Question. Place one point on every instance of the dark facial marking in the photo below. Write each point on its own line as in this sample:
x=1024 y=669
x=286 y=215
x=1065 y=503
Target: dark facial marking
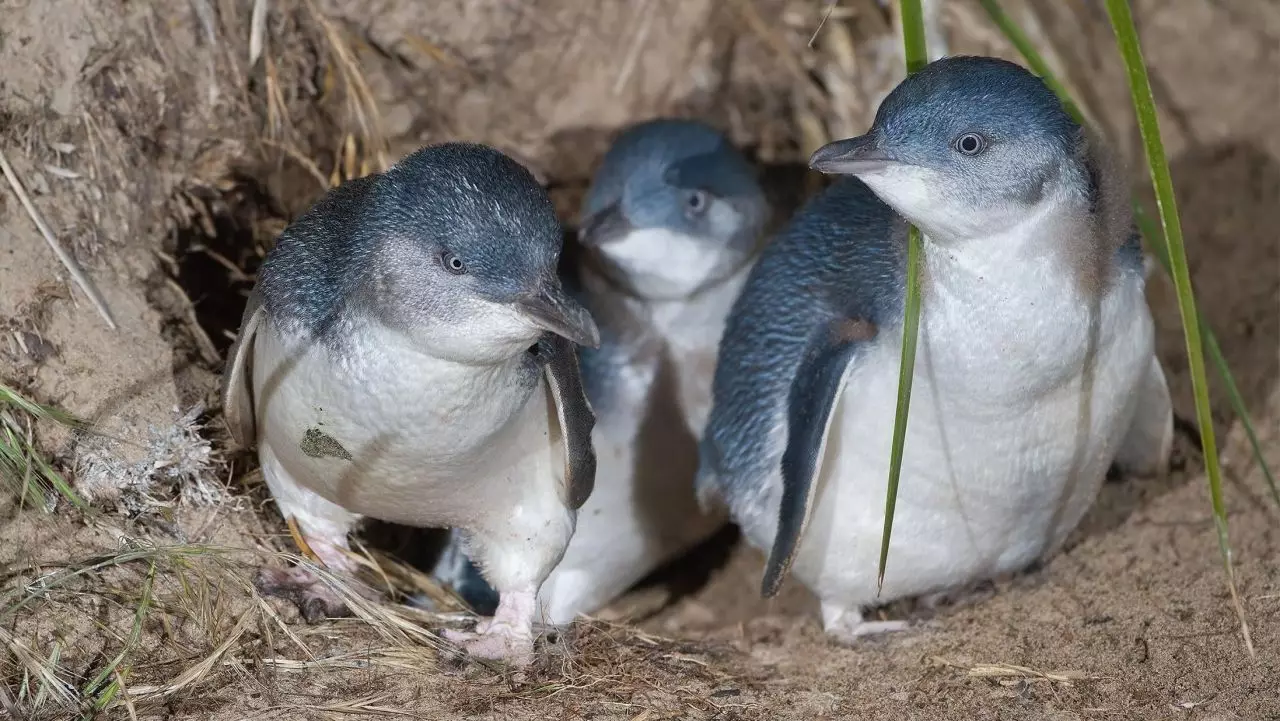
x=318 y=444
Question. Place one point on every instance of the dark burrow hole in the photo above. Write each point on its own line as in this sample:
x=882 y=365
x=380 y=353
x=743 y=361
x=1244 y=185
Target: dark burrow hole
x=218 y=252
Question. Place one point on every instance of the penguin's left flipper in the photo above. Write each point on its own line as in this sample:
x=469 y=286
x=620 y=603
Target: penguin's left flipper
x=810 y=410
x=237 y=380
x=573 y=411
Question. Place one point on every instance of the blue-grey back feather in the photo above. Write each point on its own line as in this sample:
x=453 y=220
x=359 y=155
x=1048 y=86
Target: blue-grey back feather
x=842 y=257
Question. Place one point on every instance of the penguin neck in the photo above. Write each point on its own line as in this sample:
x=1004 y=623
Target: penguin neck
x=696 y=319
x=1053 y=253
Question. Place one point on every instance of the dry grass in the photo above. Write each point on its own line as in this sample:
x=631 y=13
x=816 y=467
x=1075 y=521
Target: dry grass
x=23 y=469
x=75 y=630
x=144 y=626
x=68 y=261
x=149 y=625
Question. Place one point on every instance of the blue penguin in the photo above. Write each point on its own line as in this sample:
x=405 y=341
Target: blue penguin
x=408 y=355
x=1035 y=367
x=670 y=225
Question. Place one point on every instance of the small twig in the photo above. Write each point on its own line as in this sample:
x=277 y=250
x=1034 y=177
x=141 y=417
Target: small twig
x=68 y=262
x=825 y=16
x=637 y=44
x=751 y=16
x=257 y=30
x=237 y=273
x=1008 y=670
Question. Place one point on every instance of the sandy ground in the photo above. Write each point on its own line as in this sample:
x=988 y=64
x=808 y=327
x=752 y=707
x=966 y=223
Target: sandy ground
x=186 y=161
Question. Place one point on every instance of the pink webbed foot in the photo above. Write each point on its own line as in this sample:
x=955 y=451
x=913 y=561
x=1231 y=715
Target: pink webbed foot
x=507 y=637
x=302 y=587
x=305 y=589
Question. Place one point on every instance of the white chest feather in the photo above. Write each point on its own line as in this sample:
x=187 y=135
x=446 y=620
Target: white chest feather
x=387 y=431
x=662 y=263
x=1024 y=389
x=643 y=510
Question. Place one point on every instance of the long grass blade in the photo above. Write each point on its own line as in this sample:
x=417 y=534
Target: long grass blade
x=1149 y=126
x=1149 y=230
x=913 y=44
x=910 y=332
x=11 y=397
x=109 y=692
x=18 y=456
x=913 y=35
x=1027 y=49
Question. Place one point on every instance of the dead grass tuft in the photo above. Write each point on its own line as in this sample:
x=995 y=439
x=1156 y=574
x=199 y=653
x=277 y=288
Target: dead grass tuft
x=147 y=624
x=24 y=471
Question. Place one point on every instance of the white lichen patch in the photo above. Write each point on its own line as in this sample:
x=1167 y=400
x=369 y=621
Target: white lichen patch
x=178 y=464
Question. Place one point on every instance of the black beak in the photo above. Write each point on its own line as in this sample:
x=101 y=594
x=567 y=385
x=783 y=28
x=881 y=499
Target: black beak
x=552 y=310
x=603 y=226
x=851 y=157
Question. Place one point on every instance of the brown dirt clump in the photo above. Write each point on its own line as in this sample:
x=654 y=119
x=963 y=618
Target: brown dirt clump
x=166 y=158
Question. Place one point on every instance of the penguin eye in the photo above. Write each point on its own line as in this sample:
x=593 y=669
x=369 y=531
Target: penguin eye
x=697 y=202
x=970 y=144
x=452 y=263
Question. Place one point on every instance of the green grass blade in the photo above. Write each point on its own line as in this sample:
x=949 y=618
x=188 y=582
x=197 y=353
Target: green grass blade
x=1029 y=53
x=1150 y=231
x=17 y=456
x=910 y=333
x=109 y=692
x=913 y=43
x=1237 y=405
x=1144 y=105
x=917 y=57
x=11 y=397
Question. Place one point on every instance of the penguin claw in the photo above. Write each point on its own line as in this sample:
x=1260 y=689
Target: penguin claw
x=498 y=642
x=507 y=636
x=305 y=590
x=847 y=625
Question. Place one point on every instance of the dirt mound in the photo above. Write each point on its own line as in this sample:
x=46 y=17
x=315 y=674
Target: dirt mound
x=165 y=145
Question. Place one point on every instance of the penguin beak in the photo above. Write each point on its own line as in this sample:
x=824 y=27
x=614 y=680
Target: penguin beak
x=554 y=311
x=853 y=156
x=604 y=226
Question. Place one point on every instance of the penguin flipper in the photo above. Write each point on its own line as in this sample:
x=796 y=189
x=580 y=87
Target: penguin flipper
x=237 y=392
x=1148 y=444
x=576 y=418
x=811 y=406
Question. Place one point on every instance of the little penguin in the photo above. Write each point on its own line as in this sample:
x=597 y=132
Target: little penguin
x=670 y=225
x=1035 y=369
x=408 y=355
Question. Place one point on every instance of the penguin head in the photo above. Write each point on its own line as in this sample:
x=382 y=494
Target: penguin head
x=965 y=148
x=465 y=246
x=674 y=207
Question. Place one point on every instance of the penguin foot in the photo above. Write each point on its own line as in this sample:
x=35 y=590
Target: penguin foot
x=313 y=597
x=846 y=624
x=507 y=636
x=496 y=644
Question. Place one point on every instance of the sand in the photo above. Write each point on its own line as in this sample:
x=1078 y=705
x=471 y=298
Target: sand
x=187 y=159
